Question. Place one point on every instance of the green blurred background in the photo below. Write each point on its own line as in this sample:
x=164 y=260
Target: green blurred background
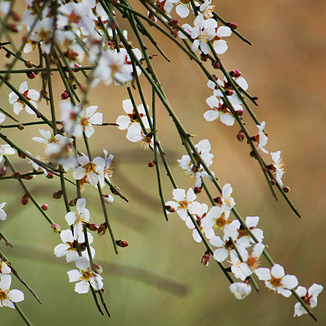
x=158 y=279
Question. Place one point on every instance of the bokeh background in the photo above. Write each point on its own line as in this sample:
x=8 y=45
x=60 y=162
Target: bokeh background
x=158 y=279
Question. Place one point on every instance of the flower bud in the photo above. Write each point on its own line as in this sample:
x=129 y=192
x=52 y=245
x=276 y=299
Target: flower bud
x=56 y=228
x=173 y=22
x=239 y=112
x=24 y=199
x=197 y=190
x=28 y=177
x=102 y=229
x=235 y=73
x=50 y=175
x=216 y=65
x=109 y=199
x=16 y=175
x=21 y=127
x=21 y=155
x=45 y=207
x=31 y=75
x=28 y=64
x=57 y=194
x=97 y=268
x=169 y=208
x=286 y=189
x=205 y=258
x=240 y=136
x=64 y=95
x=218 y=200
x=91 y=226
x=73 y=202
x=228 y=92
x=232 y=25
x=151 y=163
x=122 y=243
x=203 y=57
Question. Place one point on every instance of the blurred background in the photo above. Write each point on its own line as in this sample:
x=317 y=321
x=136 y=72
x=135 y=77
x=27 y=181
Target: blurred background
x=158 y=278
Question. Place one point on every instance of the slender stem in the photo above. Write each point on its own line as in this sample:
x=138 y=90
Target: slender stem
x=22 y=315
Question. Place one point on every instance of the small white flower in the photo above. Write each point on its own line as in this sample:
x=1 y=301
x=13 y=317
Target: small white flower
x=309 y=297
x=278 y=166
x=183 y=203
x=69 y=246
x=93 y=171
x=276 y=280
x=261 y=138
x=30 y=94
x=89 y=118
x=85 y=276
x=78 y=219
x=227 y=201
x=240 y=290
x=9 y=297
x=4 y=269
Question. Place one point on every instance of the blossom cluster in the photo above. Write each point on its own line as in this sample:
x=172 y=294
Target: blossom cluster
x=237 y=242
x=85 y=37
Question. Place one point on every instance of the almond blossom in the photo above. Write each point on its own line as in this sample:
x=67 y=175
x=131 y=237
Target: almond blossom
x=9 y=297
x=278 y=166
x=276 y=280
x=183 y=203
x=30 y=94
x=85 y=277
x=240 y=289
x=227 y=201
x=248 y=263
x=69 y=246
x=92 y=170
x=308 y=296
x=131 y=117
x=261 y=138
x=78 y=219
x=90 y=117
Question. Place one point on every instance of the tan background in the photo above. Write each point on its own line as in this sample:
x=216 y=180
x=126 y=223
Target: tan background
x=285 y=68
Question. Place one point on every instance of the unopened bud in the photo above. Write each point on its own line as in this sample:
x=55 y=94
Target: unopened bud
x=273 y=182
x=21 y=155
x=45 y=207
x=29 y=64
x=240 y=136
x=21 y=127
x=102 y=229
x=253 y=154
x=169 y=208
x=218 y=200
x=197 y=190
x=64 y=95
x=151 y=163
x=50 y=175
x=232 y=25
x=91 y=226
x=205 y=258
x=31 y=75
x=12 y=27
x=239 y=112
x=122 y=243
x=235 y=73
x=216 y=65
x=173 y=22
x=229 y=92
x=115 y=190
x=56 y=228
x=28 y=177
x=97 y=268
x=73 y=202
x=109 y=199
x=24 y=199
x=16 y=175
x=286 y=189
x=57 y=194
x=203 y=57
x=16 y=16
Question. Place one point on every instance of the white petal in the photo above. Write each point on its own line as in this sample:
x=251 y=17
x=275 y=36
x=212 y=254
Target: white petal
x=82 y=287
x=277 y=271
x=74 y=275
x=16 y=296
x=290 y=281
